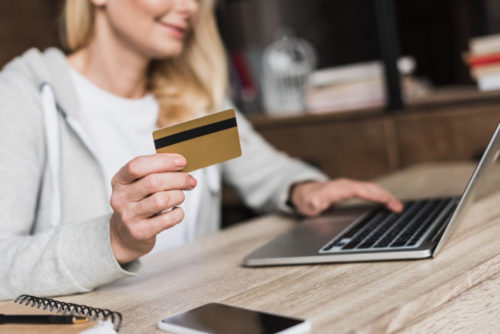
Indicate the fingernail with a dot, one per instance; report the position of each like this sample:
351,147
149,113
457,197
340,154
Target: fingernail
398,207
192,182
180,162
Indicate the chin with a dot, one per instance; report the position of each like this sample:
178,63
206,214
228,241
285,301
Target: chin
168,50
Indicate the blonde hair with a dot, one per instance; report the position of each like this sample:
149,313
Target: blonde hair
187,86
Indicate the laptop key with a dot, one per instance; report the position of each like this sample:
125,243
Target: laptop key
444,222
368,228
378,231
430,219
399,225
385,229
413,224
347,236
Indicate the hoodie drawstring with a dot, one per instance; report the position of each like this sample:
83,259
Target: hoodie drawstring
53,163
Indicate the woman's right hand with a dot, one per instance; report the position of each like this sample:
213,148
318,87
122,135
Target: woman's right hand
142,189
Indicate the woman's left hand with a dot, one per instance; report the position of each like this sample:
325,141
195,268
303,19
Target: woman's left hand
312,198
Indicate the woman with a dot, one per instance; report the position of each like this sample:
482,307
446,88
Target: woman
84,195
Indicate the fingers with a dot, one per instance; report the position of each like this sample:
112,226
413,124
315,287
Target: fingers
395,205
146,230
142,188
313,198
149,228
158,202
309,198
165,221
375,193
159,182
316,204
144,165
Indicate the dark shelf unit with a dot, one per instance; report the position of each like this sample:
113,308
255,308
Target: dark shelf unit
435,33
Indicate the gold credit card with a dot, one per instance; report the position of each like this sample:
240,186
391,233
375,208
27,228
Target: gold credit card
202,141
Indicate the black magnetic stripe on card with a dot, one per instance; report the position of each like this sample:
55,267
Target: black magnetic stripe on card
196,132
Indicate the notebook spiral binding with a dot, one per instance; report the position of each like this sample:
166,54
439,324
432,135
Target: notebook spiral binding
73,309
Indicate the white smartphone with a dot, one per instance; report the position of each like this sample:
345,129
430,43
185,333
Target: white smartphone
226,319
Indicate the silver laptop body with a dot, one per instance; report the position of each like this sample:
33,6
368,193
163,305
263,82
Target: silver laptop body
371,234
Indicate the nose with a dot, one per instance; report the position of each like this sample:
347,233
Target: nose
188,6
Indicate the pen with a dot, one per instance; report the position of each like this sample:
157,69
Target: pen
41,319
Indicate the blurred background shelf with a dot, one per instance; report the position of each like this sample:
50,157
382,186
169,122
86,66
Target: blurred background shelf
434,33
453,124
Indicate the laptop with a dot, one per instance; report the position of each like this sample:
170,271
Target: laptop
374,233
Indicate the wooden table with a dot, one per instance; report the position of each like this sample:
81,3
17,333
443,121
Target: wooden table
458,291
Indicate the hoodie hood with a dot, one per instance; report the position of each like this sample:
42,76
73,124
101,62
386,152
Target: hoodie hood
48,67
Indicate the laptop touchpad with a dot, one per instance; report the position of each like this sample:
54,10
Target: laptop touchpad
307,237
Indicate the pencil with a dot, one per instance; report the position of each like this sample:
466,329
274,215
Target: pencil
41,319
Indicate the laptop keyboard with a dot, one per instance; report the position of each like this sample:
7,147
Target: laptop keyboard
383,229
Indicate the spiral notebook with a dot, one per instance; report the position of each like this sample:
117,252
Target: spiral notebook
103,321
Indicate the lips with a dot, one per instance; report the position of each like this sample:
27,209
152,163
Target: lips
175,29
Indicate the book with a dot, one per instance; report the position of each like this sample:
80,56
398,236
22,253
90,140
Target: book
484,45
481,71
359,86
368,93
248,90
346,96
481,60
103,321
358,71
489,82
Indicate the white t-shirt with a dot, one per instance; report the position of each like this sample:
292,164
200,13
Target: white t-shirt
120,130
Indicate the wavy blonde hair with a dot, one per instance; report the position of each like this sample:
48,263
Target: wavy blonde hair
193,84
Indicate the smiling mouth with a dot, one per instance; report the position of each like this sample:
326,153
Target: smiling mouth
176,31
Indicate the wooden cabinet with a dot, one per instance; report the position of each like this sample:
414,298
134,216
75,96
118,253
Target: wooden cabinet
454,134
366,144
340,147
27,24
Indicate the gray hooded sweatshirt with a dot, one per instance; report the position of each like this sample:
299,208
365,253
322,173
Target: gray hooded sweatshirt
54,212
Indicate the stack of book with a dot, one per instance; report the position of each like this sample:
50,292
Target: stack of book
245,70
359,86
484,61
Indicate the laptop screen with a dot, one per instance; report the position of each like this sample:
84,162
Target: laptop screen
484,182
